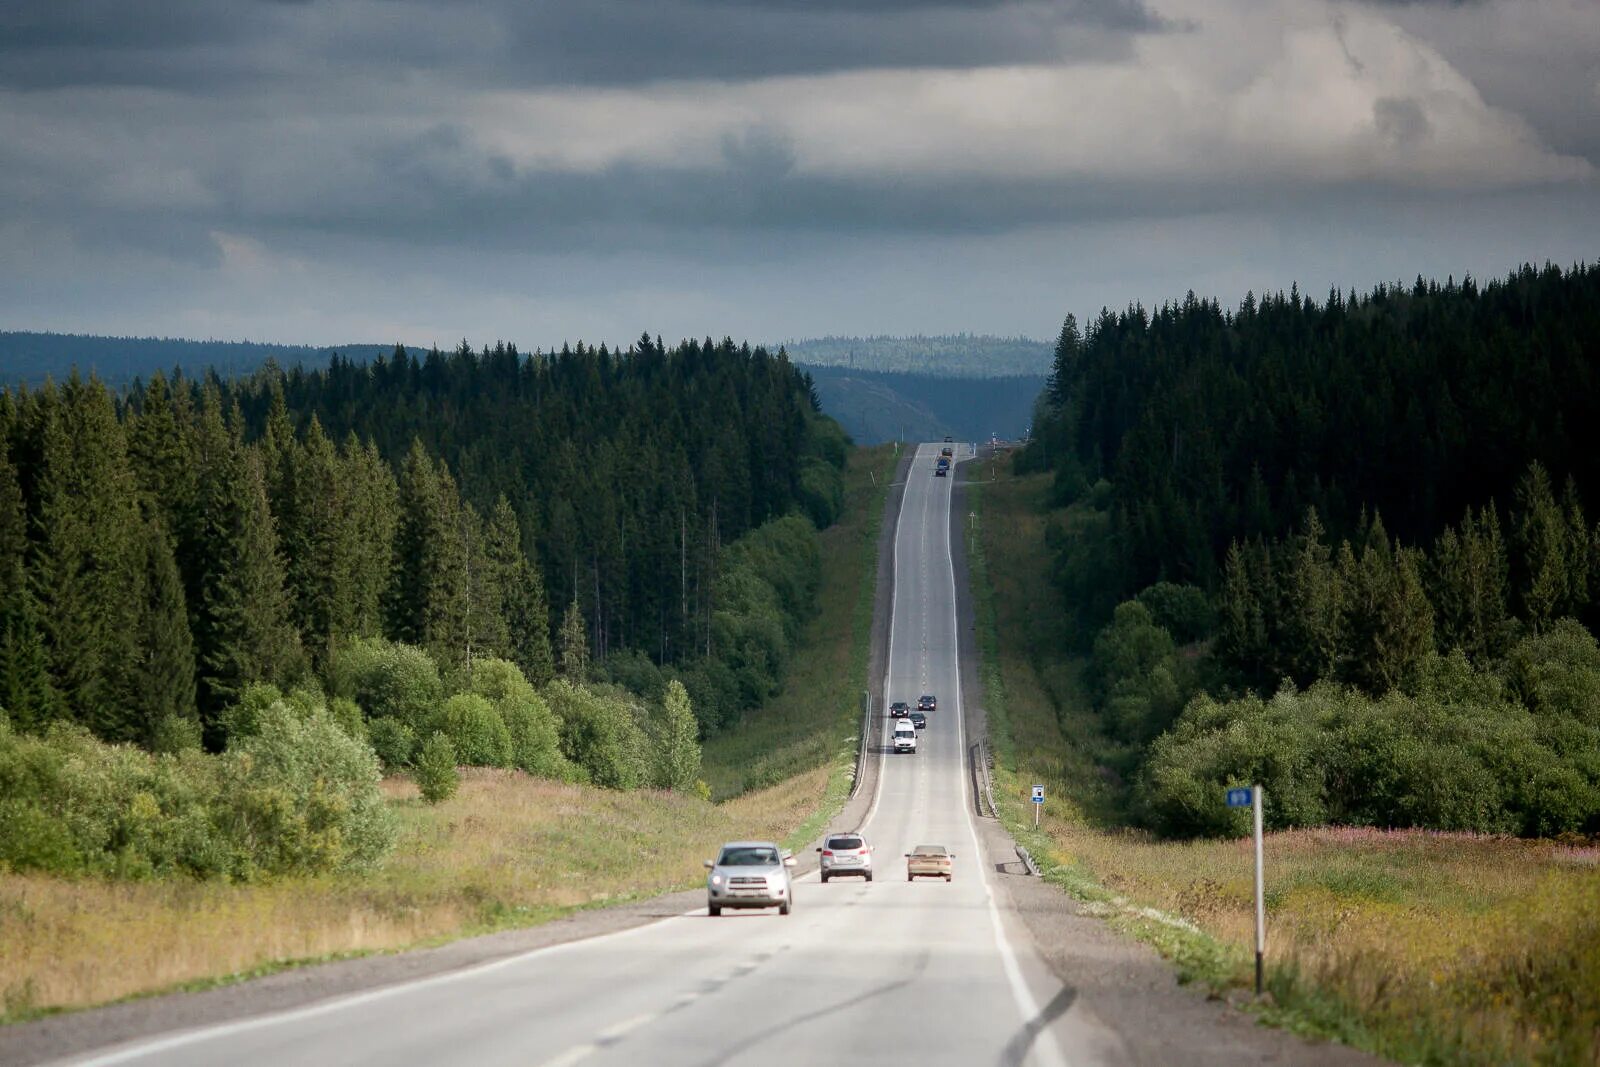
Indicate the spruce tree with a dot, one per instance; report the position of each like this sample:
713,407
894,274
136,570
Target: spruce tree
25,691
1312,630
160,680
526,613
367,536
243,632
86,561
574,645
1542,549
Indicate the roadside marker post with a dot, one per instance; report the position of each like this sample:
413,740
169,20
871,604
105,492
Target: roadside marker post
1038,804
1251,798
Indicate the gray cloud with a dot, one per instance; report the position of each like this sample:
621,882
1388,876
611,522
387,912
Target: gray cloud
154,153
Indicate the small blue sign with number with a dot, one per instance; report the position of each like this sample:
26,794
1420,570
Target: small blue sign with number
1038,794
1238,798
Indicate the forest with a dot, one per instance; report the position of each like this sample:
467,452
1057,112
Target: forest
1339,546
576,563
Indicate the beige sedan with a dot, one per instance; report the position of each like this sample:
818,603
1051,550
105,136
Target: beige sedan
930,860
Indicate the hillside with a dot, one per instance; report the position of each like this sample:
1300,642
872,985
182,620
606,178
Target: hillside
30,357
874,407
949,356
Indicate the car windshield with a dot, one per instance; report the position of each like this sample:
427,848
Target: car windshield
748,857
845,843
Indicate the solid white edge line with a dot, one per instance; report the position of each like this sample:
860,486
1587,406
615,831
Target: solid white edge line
894,588
1045,1048
143,1048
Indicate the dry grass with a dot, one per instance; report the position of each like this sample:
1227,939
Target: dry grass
1427,947
507,850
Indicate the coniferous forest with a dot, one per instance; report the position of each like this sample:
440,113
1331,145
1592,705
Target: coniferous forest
548,561
1372,507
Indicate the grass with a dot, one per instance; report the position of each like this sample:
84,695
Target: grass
1424,947
506,851
815,721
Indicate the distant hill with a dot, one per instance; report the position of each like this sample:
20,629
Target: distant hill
951,356
918,387
32,357
875,407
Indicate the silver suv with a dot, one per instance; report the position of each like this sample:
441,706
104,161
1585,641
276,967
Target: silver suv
750,874
845,854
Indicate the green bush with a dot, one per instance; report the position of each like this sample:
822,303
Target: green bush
601,734
388,680
393,742
821,492
535,737
303,796
476,731
436,772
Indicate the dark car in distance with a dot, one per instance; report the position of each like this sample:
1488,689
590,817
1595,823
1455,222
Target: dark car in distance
919,720
899,710
927,702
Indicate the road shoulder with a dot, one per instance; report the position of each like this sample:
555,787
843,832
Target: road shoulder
1121,986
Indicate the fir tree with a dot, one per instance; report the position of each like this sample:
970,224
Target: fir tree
574,645
160,680
526,612
1542,549
25,691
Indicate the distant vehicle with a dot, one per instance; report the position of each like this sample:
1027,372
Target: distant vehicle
845,854
947,451
941,468
919,720
899,709
927,702
932,861
947,437
905,736
750,874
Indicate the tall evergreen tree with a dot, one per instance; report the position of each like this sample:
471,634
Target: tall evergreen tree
25,690
1542,549
574,645
243,632
160,679
1313,605
86,561
527,615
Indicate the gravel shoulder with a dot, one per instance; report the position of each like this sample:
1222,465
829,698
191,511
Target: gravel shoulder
74,1033
1123,986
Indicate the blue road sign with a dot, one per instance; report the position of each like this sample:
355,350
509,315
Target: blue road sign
1038,794
1238,798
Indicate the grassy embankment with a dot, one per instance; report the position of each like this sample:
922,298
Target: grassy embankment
1424,947
508,850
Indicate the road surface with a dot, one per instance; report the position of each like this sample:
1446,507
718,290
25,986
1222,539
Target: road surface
881,972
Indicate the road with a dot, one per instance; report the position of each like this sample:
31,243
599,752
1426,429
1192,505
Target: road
880,972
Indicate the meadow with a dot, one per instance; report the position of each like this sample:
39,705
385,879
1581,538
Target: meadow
1423,947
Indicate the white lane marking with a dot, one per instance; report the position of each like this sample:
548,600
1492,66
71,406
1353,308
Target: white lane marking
627,1026
1045,1048
573,1055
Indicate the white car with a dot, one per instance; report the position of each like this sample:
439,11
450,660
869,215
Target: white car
845,854
750,874
905,736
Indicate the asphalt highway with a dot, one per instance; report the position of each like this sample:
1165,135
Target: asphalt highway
881,972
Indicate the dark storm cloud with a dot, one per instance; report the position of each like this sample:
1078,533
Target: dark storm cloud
200,45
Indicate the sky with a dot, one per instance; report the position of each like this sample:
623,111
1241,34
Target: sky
543,171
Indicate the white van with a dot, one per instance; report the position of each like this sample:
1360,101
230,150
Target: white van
905,736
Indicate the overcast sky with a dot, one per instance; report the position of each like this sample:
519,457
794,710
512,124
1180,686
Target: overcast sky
549,170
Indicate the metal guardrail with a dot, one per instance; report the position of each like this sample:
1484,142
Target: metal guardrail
863,743
982,780
1027,861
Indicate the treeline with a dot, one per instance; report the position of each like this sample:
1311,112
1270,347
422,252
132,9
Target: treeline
626,470
1413,403
161,552
1440,677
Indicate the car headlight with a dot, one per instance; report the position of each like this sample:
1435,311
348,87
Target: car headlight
716,879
